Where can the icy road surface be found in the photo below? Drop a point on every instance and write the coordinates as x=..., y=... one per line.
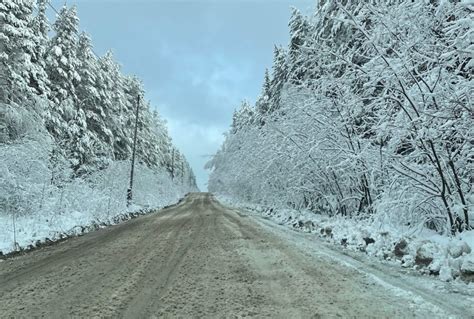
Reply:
x=201, y=259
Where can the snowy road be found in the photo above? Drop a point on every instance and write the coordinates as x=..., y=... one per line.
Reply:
x=200, y=259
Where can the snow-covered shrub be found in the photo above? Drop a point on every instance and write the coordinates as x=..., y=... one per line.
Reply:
x=34, y=209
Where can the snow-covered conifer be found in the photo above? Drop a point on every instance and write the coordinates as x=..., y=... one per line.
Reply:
x=19, y=76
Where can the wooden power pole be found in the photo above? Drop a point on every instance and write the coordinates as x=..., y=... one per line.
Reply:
x=172, y=164
x=130, y=187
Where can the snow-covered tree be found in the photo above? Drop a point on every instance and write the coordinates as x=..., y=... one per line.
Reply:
x=373, y=117
x=21, y=73
x=263, y=101
x=62, y=62
x=280, y=75
x=111, y=89
x=40, y=26
x=66, y=125
x=300, y=30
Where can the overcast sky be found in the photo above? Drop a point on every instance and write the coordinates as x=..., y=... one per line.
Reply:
x=197, y=59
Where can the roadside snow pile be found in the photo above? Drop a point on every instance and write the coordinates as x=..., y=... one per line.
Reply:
x=26, y=233
x=424, y=250
x=37, y=213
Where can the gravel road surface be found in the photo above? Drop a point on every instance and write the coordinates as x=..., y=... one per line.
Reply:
x=197, y=259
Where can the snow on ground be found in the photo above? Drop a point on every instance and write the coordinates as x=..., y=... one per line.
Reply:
x=416, y=291
x=448, y=258
x=32, y=231
x=40, y=213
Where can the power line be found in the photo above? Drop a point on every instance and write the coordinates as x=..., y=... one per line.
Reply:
x=54, y=9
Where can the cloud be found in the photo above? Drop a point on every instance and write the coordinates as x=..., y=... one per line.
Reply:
x=197, y=59
x=199, y=142
x=205, y=90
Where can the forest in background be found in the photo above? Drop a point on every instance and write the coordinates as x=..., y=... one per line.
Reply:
x=366, y=114
x=66, y=130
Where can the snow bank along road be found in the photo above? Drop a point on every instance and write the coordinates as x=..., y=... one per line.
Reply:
x=198, y=259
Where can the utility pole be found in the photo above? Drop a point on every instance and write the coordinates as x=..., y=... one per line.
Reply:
x=4, y=87
x=172, y=165
x=130, y=187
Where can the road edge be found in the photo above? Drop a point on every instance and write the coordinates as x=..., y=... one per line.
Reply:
x=83, y=230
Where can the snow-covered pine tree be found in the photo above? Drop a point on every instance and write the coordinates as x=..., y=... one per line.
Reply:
x=299, y=32
x=242, y=117
x=67, y=121
x=91, y=102
x=40, y=21
x=279, y=76
x=61, y=66
x=263, y=102
x=111, y=88
x=40, y=26
x=62, y=63
x=133, y=88
x=65, y=126
x=19, y=76
x=164, y=143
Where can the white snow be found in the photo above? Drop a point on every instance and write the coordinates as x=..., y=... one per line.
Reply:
x=450, y=298
x=57, y=51
x=446, y=257
x=468, y=264
x=82, y=206
x=67, y=123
